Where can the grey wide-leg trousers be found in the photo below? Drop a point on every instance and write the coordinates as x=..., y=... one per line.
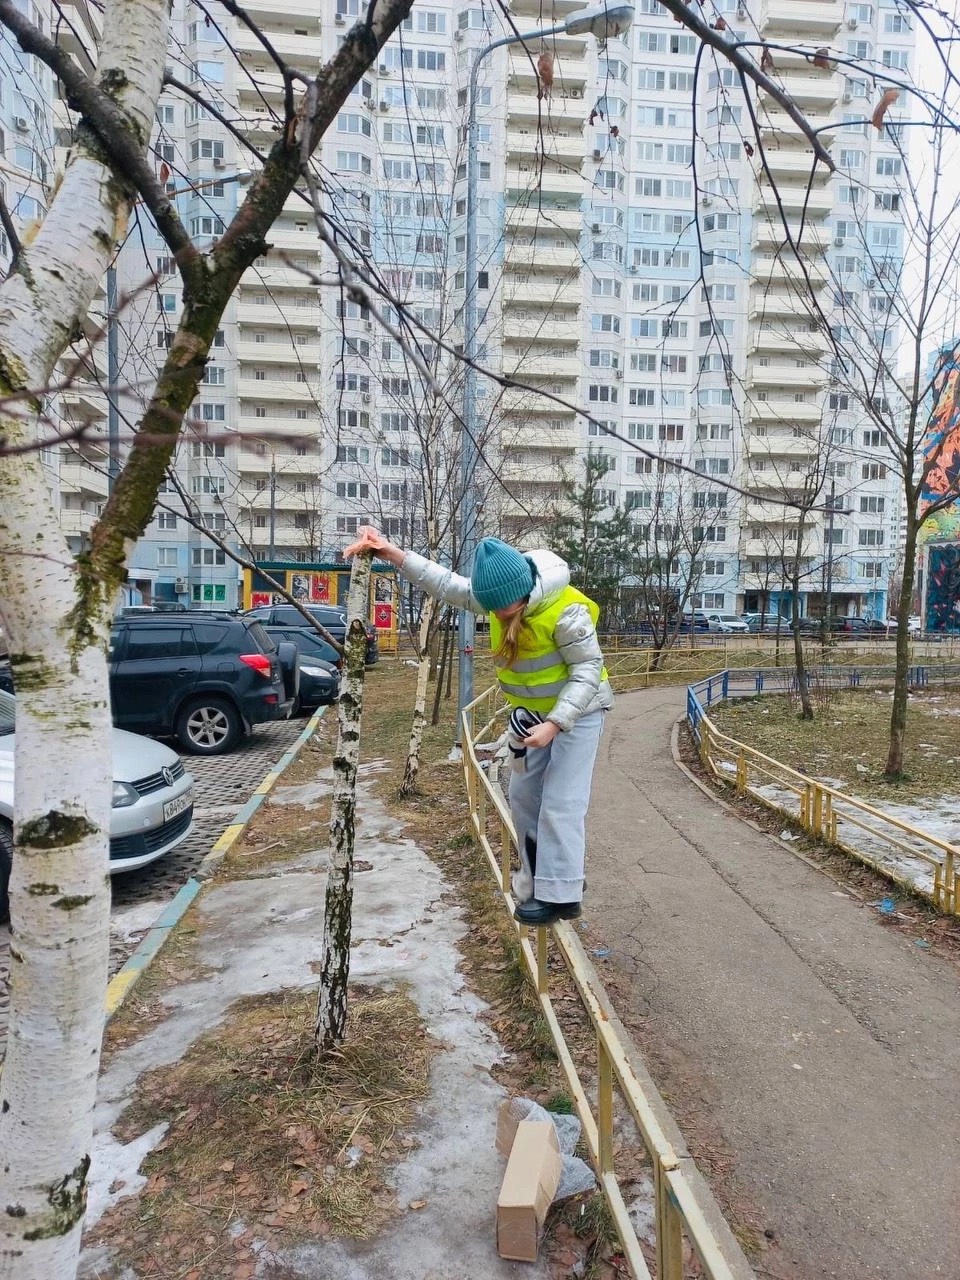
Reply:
x=549, y=799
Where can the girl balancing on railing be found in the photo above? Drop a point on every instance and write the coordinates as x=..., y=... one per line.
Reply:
x=550, y=668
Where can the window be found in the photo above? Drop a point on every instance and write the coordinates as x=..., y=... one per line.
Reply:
x=207, y=484
x=166, y=302
x=214, y=375
x=895, y=23
x=871, y=538
x=670, y=431
x=166, y=520
x=640, y=431
x=712, y=466
x=839, y=401
x=872, y=439
x=602, y=394
x=207, y=225
x=353, y=122
x=872, y=569
x=431, y=60
x=208, y=556
x=352, y=453
x=872, y=504
x=205, y=449
x=394, y=458
x=160, y=642
x=873, y=471
x=354, y=162
x=352, y=489
x=206, y=149
x=714, y=568
x=888, y=201
x=896, y=59
x=888, y=166
x=166, y=557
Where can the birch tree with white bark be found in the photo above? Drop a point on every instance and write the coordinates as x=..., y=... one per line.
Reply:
x=57, y=610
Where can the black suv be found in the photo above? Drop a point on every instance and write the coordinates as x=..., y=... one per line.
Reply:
x=331, y=618
x=205, y=678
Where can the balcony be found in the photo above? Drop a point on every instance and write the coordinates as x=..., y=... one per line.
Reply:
x=814, y=91
x=768, y=337
x=542, y=257
x=305, y=52
x=786, y=162
x=778, y=307
x=531, y=216
x=562, y=110
x=781, y=410
x=559, y=293
x=793, y=199
x=77, y=524
x=569, y=67
x=534, y=365
x=527, y=327
x=261, y=314
x=79, y=477
x=528, y=403
x=785, y=375
x=533, y=141
x=522, y=185
x=264, y=389
x=776, y=127
x=84, y=402
x=816, y=20
x=277, y=276
x=811, y=273
x=306, y=356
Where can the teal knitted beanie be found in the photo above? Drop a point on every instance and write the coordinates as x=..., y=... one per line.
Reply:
x=501, y=575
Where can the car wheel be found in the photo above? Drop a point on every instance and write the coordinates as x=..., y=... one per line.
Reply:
x=6, y=866
x=208, y=727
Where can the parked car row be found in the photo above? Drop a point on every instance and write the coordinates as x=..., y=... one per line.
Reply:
x=152, y=800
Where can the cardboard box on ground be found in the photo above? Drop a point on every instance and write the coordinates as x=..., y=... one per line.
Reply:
x=529, y=1185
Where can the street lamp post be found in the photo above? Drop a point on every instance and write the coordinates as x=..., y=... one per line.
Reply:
x=601, y=21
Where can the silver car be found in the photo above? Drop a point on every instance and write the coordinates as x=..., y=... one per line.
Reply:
x=152, y=800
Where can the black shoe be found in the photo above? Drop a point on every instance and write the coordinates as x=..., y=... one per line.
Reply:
x=536, y=913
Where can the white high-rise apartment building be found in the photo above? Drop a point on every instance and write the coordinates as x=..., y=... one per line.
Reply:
x=599, y=200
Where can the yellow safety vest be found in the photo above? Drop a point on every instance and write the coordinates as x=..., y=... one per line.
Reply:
x=539, y=672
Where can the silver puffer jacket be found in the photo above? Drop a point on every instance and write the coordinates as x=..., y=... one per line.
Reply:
x=575, y=633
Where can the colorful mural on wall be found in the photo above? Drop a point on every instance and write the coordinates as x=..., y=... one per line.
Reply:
x=329, y=584
x=941, y=447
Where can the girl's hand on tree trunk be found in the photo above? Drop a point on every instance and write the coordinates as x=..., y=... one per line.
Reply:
x=369, y=539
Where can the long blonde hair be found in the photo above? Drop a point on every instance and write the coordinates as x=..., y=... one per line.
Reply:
x=506, y=653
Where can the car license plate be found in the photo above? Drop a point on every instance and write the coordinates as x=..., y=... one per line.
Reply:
x=173, y=807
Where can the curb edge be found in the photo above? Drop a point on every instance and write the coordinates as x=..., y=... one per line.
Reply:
x=123, y=982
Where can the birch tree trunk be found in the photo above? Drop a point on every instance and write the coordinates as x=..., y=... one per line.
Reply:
x=338, y=904
x=412, y=766
x=893, y=769
x=803, y=683
x=58, y=629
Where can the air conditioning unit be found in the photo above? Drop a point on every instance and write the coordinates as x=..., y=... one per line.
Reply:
x=597, y=153
x=365, y=398
x=741, y=11
x=21, y=123
x=618, y=374
x=848, y=96
x=458, y=35
x=852, y=24
x=706, y=201
x=596, y=228
x=340, y=20
x=181, y=586
x=633, y=269
x=218, y=162
x=384, y=69
x=384, y=105
x=872, y=282
x=368, y=325
x=839, y=241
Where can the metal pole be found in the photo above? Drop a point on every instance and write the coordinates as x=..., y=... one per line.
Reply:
x=469, y=451
x=113, y=380
x=829, y=592
x=273, y=506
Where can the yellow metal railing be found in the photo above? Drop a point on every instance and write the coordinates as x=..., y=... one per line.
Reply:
x=685, y=1207
x=830, y=814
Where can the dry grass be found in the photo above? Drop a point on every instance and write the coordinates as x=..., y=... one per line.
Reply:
x=847, y=741
x=263, y=1134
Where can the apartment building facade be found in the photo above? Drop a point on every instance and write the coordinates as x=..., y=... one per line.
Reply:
x=632, y=275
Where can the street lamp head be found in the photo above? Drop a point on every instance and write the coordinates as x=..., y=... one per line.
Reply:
x=602, y=21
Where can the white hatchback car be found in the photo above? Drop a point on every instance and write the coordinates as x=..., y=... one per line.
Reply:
x=152, y=800
x=726, y=622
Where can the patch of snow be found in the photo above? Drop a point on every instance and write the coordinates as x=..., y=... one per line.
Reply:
x=117, y=1167
x=642, y=1211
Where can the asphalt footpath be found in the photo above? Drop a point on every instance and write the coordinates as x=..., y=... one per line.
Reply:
x=816, y=1051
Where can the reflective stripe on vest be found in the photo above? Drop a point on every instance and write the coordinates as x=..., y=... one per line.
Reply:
x=539, y=673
